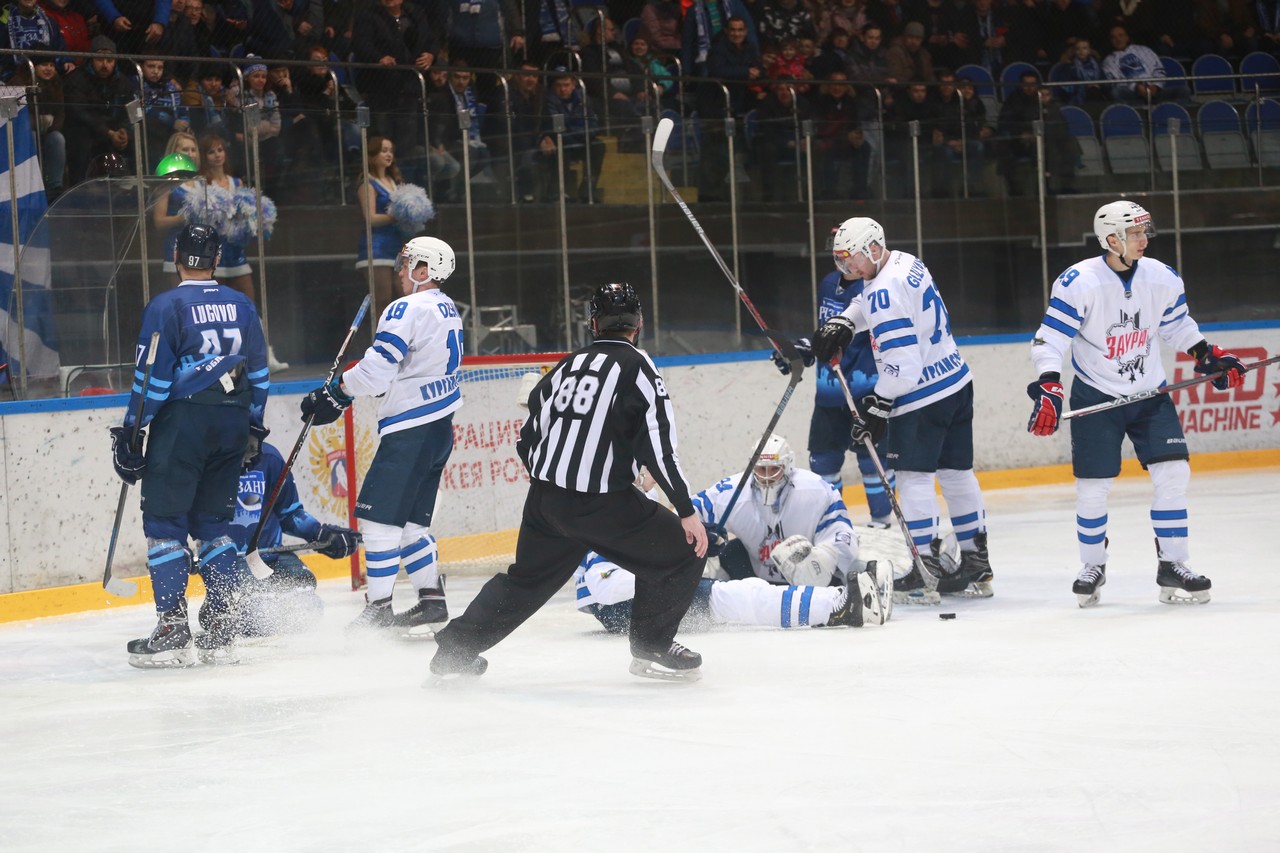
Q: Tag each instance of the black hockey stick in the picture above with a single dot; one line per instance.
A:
(293, 549)
(114, 585)
(930, 582)
(252, 558)
(660, 137)
(1155, 392)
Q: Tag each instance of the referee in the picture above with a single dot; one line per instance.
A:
(593, 421)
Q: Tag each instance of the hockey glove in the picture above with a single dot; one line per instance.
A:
(716, 540)
(253, 450)
(829, 342)
(130, 464)
(1047, 394)
(873, 419)
(803, 346)
(338, 542)
(1210, 360)
(325, 404)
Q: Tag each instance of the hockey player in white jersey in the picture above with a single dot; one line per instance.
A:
(1108, 312)
(793, 561)
(413, 366)
(923, 400)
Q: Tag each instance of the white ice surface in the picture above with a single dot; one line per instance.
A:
(1024, 724)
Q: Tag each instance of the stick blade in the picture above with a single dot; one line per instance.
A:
(121, 588)
(660, 137)
(257, 565)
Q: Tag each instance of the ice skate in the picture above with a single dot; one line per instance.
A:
(449, 665)
(881, 523)
(911, 588)
(377, 617)
(221, 624)
(169, 645)
(274, 364)
(675, 663)
(421, 621)
(972, 577)
(849, 608)
(877, 598)
(1180, 585)
(1088, 583)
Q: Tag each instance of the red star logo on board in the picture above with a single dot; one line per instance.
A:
(1275, 417)
(1278, 389)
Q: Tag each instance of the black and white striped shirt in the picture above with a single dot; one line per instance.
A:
(599, 415)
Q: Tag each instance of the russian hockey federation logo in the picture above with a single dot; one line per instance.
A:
(1129, 345)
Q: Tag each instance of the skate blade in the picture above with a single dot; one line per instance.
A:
(974, 590)
(1088, 599)
(1177, 595)
(222, 656)
(419, 633)
(173, 659)
(648, 669)
(916, 596)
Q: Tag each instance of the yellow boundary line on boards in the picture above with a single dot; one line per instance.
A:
(79, 598)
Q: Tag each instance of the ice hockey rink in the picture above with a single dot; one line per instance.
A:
(1024, 724)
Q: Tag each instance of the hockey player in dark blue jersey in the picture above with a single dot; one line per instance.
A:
(204, 408)
(829, 425)
(286, 601)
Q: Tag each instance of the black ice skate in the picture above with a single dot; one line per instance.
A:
(1091, 579)
(675, 663)
(377, 617)
(221, 624)
(849, 608)
(1180, 585)
(420, 621)
(168, 646)
(975, 567)
(911, 587)
(869, 605)
(453, 665)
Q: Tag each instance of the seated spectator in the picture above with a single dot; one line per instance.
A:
(1021, 109)
(704, 23)
(836, 113)
(643, 61)
(581, 140)
(47, 103)
(1063, 23)
(776, 140)
(919, 105)
(258, 92)
(783, 19)
(206, 100)
(985, 30)
(888, 15)
(164, 112)
(847, 15)
(95, 94)
(906, 57)
(550, 27)
(787, 63)
(735, 59)
(134, 24)
(316, 92)
(23, 26)
(476, 37)
(1086, 70)
(943, 37)
(833, 58)
(527, 116)
(962, 138)
(72, 25)
(660, 22)
(867, 61)
(617, 93)
(444, 107)
(1128, 63)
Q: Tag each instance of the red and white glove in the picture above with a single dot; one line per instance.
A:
(1047, 394)
(1211, 360)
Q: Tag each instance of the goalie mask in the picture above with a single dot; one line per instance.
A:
(772, 472)
(1115, 219)
(432, 251)
(857, 236)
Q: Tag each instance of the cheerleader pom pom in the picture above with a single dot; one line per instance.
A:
(410, 208)
(269, 216)
(211, 205)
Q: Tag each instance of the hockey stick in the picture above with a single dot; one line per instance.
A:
(797, 368)
(257, 565)
(1155, 392)
(660, 137)
(930, 582)
(114, 585)
(291, 549)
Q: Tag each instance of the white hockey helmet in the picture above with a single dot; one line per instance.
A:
(1117, 218)
(773, 469)
(853, 236)
(432, 251)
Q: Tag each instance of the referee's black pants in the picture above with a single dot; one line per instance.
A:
(558, 528)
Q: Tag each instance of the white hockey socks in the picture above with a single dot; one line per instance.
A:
(755, 601)
(964, 504)
(1169, 508)
(919, 506)
(1091, 520)
(381, 557)
(418, 554)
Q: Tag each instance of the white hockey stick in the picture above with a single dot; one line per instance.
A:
(252, 558)
(112, 584)
(1156, 392)
(930, 582)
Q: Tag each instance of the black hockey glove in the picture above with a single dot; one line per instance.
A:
(253, 450)
(873, 419)
(325, 404)
(803, 346)
(1210, 360)
(1047, 394)
(716, 540)
(829, 342)
(130, 464)
(338, 542)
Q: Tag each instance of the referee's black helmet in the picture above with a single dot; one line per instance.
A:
(615, 308)
(198, 247)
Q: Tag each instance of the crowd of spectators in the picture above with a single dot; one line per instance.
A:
(861, 70)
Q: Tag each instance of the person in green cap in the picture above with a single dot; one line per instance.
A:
(181, 154)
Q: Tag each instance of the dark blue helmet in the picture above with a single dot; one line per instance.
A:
(615, 308)
(198, 247)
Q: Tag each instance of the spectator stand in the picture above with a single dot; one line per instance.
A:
(1124, 139)
(984, 84)
(1189, 162)
(1212, 78)
(1093, 168)
(1259, 74)
(1225, 149)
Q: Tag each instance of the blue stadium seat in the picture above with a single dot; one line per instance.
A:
(629, 30)
(1211, 65)
(1173, 70)
(1224, 145)
(983, 83)
(1124, 139)
(1009, 76)
(1264, 129)
(1259, 71)
(1080, 124)
(1188, 148)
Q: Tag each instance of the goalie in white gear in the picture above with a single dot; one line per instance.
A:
(793, 561)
